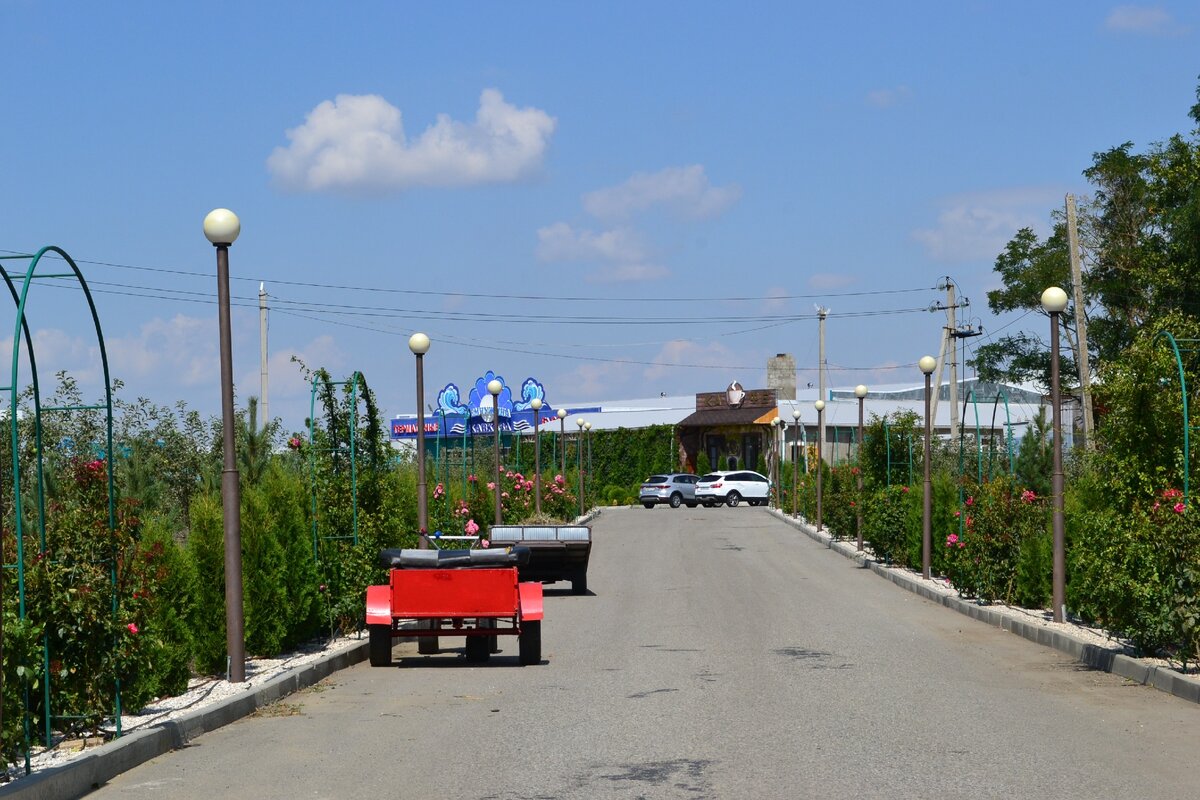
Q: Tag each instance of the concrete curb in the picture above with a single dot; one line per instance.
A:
(1108, 659)
(94, 769)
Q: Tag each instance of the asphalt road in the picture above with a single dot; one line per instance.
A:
(721, 654)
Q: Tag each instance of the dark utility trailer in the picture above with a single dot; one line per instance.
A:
(556, 552)
(473, 593)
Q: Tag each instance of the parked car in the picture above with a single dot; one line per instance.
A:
(732, 488)
(675, 488)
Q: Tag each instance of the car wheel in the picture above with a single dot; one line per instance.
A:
(380, 646)
(648, 505)
(676, 500)
(733, 499)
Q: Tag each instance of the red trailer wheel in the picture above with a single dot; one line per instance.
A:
(380, 646)
(530, 643)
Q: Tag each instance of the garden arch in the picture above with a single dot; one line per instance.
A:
(1187, 448)
(21, 332)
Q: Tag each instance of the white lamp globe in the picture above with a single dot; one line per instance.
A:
(579, 422)
(562, 413)
(860, 391)
(819, 405)
(927, 364)
(1054, 300)
(536, 404)
(419, 344)
(587, 426)
(222, 226)
(796, 414)
(495, 387)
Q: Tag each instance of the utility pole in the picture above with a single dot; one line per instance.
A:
(1085, 378)
(822, 313)
(951, 327)
(950, 336)
(262, 356)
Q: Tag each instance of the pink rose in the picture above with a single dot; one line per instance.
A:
(1179, 508)
(132, 628)
(472, 528)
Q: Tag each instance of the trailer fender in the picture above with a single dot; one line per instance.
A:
(531, 601)
(379, 605)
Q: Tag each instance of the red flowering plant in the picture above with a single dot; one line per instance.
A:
(1177, 525)
(88, 590)
(982, 553)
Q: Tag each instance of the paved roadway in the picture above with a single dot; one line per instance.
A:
(721, 654)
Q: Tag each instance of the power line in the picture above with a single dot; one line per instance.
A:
(487, 295)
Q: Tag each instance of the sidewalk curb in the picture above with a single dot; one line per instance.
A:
(90, 771)
(1107, 659)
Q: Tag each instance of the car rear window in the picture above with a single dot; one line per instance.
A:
(656, 479)
(710, 478)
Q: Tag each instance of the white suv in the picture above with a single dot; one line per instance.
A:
(731, 488)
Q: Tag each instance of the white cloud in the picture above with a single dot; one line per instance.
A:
(976, 226)
(357, 143)
(681, 351)
(682, 190)
(776, 299)
(887, 98)
(1142, 19)
(180, 351)
(561, 242)
(629, 273)
(620, 253)
(830, 280)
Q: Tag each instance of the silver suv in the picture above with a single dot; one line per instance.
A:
(674, 488)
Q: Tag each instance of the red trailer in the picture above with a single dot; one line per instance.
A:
(472, 593)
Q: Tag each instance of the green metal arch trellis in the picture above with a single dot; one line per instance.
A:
(21, 332)
(1187, 448)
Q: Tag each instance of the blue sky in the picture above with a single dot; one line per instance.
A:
(520, 181)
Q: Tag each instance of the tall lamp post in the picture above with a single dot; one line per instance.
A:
(820, 407)
(536, 405)
(579, 457)
(221, 227)
(1054, 301)
(418, 343)
(927, 365)
(494, 387)
(795, 462)
(587, 429)
(775, 456)
(860, 392)
(562, 438)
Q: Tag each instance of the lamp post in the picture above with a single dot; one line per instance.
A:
(587, 429)
(536, 405)
(418, 343)
(775, 423)
(562, 438)
(221, 227)
(494, 387)
(927, 365)
(860, 392)
(795, 463)
(1054, 301)
(820, 407)
(579, 458)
